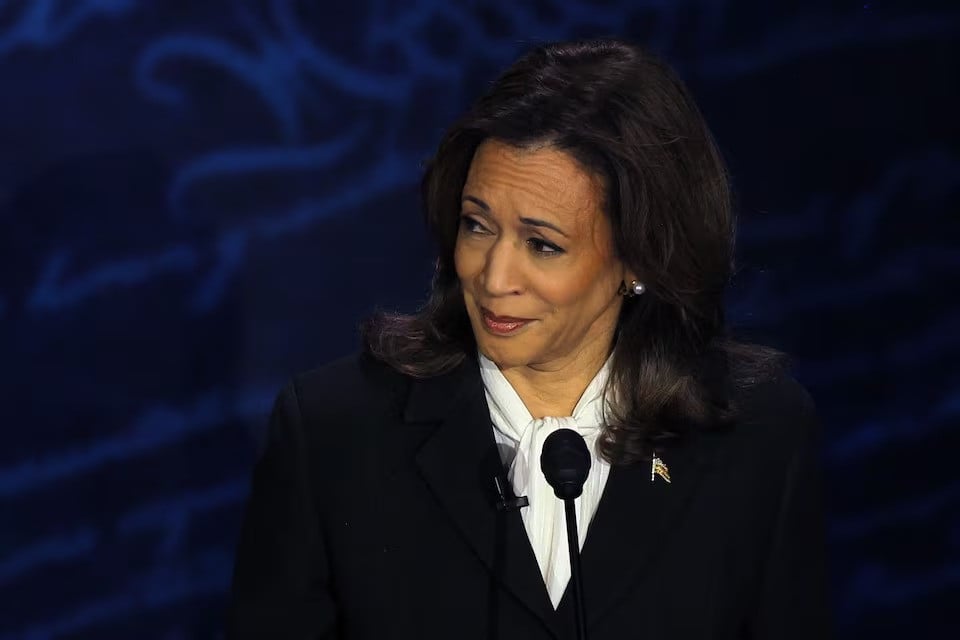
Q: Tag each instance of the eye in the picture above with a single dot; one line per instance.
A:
(541, 246)
(472, 225)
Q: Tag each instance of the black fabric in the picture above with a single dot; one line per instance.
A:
(372, 516)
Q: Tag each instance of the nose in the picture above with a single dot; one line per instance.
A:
(502, 270)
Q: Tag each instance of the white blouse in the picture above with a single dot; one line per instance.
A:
(522, 436)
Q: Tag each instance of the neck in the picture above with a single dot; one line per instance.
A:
(554, 388)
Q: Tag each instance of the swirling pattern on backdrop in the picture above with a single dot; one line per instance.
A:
(199, 199)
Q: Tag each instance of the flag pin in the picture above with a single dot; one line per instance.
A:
(658, 468)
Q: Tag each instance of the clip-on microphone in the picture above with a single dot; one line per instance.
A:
(565, 462)
(506, 500)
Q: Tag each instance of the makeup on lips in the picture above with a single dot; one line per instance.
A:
(502, 325)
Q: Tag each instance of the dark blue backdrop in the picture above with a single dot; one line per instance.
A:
(198, 199)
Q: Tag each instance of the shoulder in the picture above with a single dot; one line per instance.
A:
(352, 386)
(332, 418)
(776, 418)
(781, 396)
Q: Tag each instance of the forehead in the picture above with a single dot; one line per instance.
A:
(541, 179)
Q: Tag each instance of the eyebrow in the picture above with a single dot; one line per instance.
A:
(533, 222)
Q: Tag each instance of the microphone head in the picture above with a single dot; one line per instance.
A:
(565, 462)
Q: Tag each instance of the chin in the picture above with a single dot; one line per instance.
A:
(505, 355)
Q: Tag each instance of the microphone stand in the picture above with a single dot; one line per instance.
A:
(565, 461)
(573, 542)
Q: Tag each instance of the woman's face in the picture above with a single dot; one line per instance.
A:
(535, 259)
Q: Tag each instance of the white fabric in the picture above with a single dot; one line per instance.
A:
(516, 429)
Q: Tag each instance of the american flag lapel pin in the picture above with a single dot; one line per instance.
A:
(658, 468)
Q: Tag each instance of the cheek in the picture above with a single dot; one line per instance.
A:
(467, 262)
(458, 259)
(580, 294)
(571, 290)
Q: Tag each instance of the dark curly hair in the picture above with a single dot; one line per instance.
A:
(627, 119)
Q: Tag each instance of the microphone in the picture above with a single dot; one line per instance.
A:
(565, 462)
(506, 500)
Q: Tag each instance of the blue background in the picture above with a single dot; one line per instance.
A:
(198, 199)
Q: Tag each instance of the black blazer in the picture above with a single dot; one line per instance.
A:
(372, 516)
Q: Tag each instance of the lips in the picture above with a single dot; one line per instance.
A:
(502, 325)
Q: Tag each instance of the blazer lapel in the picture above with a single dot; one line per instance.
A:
(635, 515)
(459, 462)
(632, 520)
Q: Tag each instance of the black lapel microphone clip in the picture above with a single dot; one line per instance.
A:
(506, 500)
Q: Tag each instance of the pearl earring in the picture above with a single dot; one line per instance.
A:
(635, 289)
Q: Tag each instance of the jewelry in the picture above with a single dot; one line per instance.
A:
(636, 288)
(658, 468)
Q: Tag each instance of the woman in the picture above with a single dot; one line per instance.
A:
(585, 241)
